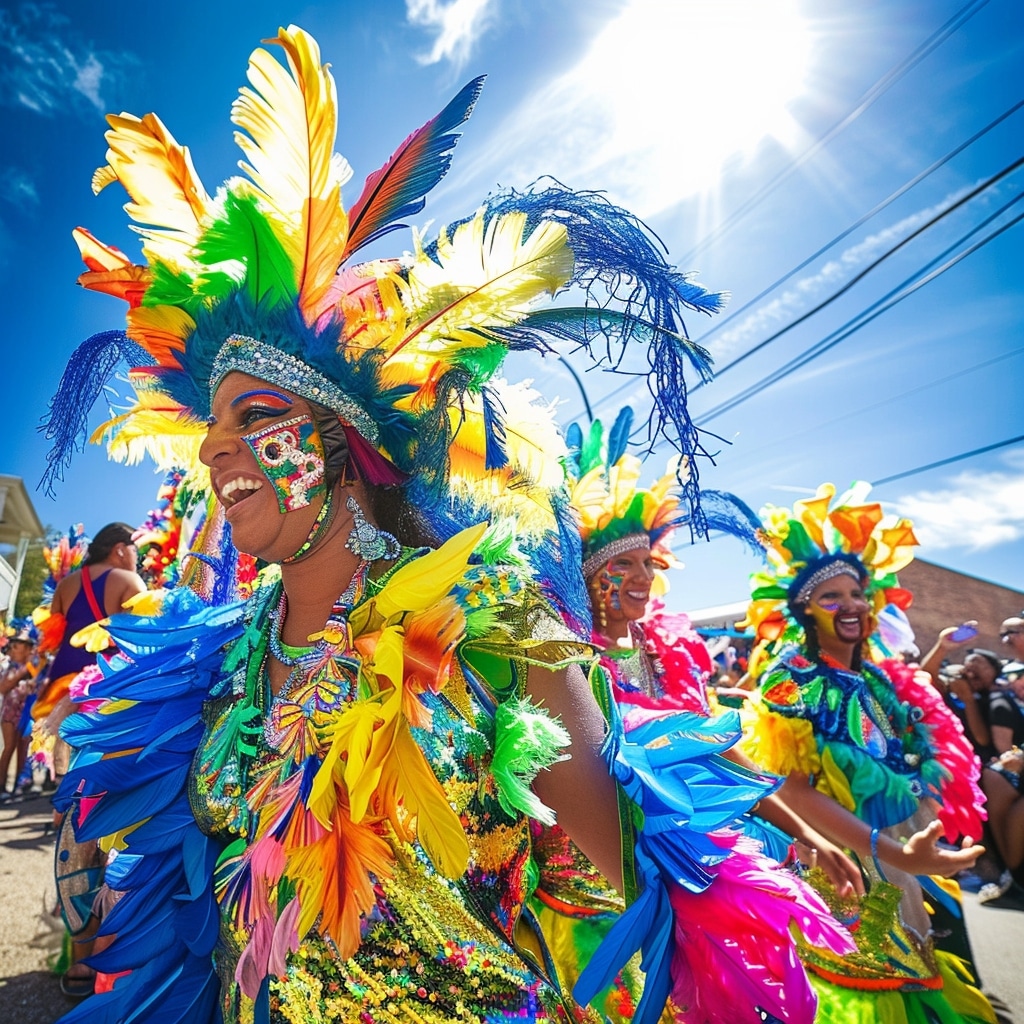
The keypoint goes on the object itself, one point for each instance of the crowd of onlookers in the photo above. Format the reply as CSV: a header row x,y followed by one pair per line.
x,y
986,691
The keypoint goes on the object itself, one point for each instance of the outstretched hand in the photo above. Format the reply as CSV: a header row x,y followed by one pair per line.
x,y
924,856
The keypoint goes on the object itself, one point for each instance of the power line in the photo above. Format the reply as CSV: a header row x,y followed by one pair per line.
x,y
951,459
878,208
876,310
858,277
976,191
889,79
957,375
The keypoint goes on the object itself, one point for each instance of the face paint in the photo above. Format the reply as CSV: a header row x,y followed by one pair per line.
x,y
609,581
291,455
823,616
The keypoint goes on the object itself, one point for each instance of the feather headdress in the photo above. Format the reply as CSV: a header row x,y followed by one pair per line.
x,y
817,539
615,514
407,352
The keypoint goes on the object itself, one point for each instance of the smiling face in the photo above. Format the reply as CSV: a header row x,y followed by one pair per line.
x,y
841,616
270,506
622,589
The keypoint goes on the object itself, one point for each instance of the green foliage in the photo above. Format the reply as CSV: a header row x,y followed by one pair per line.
x,y
33,576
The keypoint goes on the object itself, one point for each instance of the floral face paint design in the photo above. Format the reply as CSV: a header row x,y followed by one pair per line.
x,y
291,455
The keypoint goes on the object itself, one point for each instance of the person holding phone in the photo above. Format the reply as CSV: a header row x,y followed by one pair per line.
x,y
991,716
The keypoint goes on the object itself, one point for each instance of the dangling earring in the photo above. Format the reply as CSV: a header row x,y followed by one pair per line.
x,y
366,540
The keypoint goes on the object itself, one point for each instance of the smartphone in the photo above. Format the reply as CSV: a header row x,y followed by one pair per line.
x,y
962,633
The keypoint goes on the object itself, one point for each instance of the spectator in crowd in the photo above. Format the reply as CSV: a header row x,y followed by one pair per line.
x,y
992,718
1011,634
1004,791
17,681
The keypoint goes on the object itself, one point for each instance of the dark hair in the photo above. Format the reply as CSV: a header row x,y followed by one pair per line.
x,y
106,540
393,511
995,662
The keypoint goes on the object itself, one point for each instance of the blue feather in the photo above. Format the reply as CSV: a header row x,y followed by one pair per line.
x,y
725,512
496,457
618,436
88,372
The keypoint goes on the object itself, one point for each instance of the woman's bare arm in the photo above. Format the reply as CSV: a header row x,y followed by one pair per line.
x,y
580,790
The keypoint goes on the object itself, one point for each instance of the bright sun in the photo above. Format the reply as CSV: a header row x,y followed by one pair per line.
x,y
685,84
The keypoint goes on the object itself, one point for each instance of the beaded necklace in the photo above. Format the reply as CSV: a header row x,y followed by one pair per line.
x,y
305,660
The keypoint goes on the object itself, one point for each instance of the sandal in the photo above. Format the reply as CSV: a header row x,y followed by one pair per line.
x,y
77,987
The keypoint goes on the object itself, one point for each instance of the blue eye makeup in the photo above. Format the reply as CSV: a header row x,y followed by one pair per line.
x,y
285,401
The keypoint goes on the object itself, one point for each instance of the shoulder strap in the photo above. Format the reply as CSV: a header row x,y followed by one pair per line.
x,y
90,595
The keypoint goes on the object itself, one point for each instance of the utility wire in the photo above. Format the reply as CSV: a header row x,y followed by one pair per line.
x,y
889,79
878,208
976,191
849,284
957,375
952,458
863,319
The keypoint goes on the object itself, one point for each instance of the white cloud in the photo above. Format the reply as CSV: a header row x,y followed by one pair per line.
x,y
976,511
17,188
43,66
458,23
806,291
666,93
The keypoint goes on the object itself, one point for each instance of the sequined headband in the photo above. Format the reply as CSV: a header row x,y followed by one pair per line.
x,y
633,542
258,359
837,567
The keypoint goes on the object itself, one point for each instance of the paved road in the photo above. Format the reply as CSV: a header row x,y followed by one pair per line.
x,y
997,937
29,993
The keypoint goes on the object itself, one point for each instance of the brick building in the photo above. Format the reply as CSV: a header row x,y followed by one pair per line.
x,y
944,597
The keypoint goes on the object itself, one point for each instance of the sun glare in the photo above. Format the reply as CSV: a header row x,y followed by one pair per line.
x,y
686,84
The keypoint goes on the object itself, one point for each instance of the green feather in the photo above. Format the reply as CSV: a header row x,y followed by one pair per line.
x,y
242,246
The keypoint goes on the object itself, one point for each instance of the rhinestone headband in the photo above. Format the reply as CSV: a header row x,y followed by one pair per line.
x,y
258,359
617,547
826,572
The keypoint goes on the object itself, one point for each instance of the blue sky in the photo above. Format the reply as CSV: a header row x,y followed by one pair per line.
x,y
689,112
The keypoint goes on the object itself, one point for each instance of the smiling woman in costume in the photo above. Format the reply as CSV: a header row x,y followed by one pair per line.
x,y
853,734
326,795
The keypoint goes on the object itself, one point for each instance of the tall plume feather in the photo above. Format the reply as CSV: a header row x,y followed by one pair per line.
x,y
398,188
168,200
292,122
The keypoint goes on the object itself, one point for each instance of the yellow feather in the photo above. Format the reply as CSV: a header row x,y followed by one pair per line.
x,y
424,580
292,122
409,783
167,439
483,277
161,330
351,733
169,202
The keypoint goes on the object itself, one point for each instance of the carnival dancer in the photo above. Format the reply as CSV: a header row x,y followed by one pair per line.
x,y
325,795
106,581
658,669
849,737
